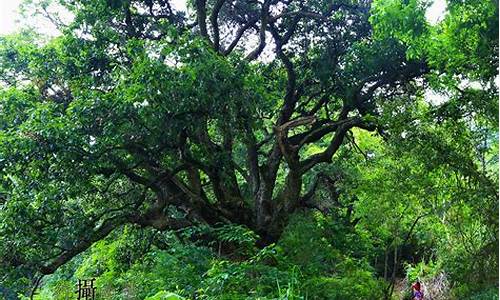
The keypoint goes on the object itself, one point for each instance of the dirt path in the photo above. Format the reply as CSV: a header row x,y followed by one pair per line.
x,y
435,288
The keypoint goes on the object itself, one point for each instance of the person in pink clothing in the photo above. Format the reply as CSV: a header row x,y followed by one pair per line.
x,y
417,291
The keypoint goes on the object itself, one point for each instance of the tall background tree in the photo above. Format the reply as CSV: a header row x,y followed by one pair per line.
x,y
241,112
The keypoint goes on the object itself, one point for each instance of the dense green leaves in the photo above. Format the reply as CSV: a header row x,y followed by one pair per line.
x,y
251,150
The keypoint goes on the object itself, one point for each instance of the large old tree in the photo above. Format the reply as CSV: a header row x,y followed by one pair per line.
x,y
143,114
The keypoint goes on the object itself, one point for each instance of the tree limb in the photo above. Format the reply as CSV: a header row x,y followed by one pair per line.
x,y
201,16
215,26
262,32
334,145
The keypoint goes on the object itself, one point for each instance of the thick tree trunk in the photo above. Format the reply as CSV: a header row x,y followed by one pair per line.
x,y
264,211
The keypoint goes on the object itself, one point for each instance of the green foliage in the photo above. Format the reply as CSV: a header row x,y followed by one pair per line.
x,y
404,21
491,293
132,266
421,271
358,285
164,296
135,150
240,238
124,269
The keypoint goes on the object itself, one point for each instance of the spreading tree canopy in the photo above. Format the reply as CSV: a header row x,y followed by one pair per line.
x,y
139,113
